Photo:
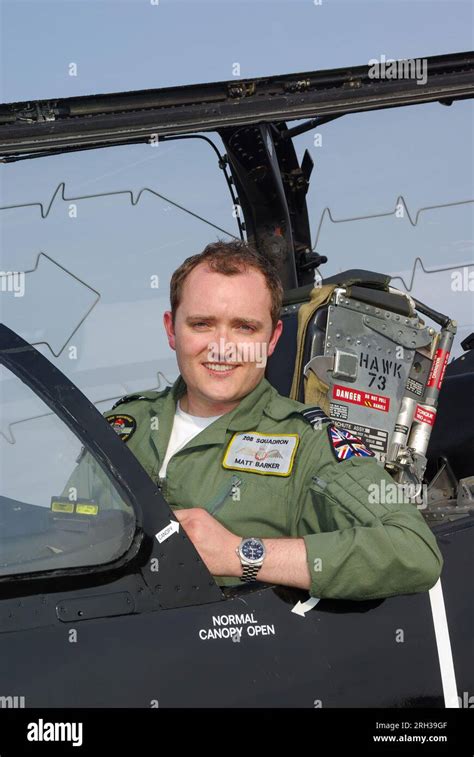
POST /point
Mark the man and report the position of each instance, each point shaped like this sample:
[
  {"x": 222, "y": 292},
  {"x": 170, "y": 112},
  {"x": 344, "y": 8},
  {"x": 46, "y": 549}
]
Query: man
[{"x": 261, "y": 490}]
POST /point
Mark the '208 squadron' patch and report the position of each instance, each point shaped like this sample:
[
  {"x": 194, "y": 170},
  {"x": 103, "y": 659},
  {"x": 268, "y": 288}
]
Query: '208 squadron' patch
[
  {"x": 123, "y": 425},
  {"x": 267, "y": 454}
]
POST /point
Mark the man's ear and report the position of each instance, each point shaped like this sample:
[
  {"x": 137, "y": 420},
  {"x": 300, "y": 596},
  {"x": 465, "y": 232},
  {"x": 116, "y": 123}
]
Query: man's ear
[
  {"x": 275, "y": 337},
  {"x": 169, "y": 328}
]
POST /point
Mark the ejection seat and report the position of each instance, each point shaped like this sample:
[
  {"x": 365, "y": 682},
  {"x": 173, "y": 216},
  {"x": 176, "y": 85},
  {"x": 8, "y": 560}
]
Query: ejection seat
[
  {"x": 367, "y": 286},
  {"x": 369, "y": 295}
]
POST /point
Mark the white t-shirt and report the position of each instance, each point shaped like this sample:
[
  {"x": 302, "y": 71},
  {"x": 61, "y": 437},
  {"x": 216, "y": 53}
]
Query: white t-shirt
[{"x": 185, "y": 428}]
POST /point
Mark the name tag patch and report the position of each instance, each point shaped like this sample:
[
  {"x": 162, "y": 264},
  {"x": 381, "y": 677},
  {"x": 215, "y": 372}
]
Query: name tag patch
[{"x": 267, "y": 454}]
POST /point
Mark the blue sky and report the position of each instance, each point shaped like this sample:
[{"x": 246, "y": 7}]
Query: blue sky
[
  {"x": 131, "y": 44},
  {"x": 424, "y": 153}
]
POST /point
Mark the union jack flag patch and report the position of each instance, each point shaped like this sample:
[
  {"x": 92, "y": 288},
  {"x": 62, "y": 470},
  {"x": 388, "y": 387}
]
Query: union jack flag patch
[{"x": 346, "y": 445}]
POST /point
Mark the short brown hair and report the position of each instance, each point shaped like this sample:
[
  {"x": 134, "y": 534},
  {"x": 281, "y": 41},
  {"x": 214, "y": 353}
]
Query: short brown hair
[{"x": 229, "y": 258}]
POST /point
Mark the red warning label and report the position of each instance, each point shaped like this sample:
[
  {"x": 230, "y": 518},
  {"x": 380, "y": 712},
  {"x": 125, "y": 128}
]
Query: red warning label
[
  {"x": 438, "y": 368},
  {"x": 357, "y": 397},
  {"x": 424, "y": 415}
]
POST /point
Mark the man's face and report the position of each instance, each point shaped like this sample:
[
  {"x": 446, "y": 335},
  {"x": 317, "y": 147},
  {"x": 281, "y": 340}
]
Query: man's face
[{"x": 222, "y": 336}]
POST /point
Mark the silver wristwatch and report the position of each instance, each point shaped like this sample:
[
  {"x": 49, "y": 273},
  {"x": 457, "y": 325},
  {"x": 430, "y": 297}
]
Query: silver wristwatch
[{"x": 251, "y": 552}]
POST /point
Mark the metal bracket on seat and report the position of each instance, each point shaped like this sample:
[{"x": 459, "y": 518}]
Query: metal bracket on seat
[
  {"x": 320, "y": 365},
  {"x": 342, "y": 365}
]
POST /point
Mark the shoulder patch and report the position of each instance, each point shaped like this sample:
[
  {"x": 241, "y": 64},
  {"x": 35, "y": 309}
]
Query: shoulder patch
[
  {"x": 123, "y": 425},
  {"x": 315, "y": 416},
  {"x": 345, "y": 445}
]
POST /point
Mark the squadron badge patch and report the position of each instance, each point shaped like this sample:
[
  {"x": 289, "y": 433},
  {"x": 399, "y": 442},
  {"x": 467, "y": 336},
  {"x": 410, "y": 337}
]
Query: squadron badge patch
[
  {"x": 123, "y": 425},
  {"x": 267, "y": 454},
  {"x": 346, "y": 445}
]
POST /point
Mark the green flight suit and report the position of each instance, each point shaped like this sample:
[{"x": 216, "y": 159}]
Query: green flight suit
[{"x": 356, "y": 549}]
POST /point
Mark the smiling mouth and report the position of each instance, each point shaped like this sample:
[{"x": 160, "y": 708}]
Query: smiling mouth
[{"x": 221, "y": 367}]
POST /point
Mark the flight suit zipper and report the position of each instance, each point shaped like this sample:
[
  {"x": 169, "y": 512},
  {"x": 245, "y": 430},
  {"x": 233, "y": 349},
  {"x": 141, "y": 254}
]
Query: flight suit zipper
[
  {"x": 161, "y": 484},
  {"x": 215, "y": 504},
  {"x": 230, "y": 489}
]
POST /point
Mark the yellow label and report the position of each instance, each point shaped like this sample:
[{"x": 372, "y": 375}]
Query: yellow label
[
  {"x": 83, "y": 509},
  {"x": 62, "y": 507}
]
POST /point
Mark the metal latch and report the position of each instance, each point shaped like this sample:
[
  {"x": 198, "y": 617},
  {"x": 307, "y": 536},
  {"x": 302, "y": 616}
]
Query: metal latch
[{"x": 343, "y": 365}]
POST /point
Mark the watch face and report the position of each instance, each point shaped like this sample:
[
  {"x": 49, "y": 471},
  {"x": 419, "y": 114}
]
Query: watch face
[{"x": 253, "y": 549}]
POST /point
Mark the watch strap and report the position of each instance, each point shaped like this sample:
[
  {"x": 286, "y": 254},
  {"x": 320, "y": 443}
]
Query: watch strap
[{"x": 249, "y": 572}]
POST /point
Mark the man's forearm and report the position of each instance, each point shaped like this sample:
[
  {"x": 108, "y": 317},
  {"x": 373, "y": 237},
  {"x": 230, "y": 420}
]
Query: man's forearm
[{"x": 285, "y": 563}]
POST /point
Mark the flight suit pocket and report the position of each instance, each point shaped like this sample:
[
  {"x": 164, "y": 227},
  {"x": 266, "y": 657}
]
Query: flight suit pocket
[{"x": 259, "y": 507}]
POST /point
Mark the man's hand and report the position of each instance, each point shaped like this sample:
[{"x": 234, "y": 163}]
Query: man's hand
[
  {"x": 285, "y": 562},
  {"x": 215, "y": 544}
]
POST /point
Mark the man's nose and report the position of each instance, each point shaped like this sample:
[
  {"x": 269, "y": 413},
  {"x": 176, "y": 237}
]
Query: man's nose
[
  {"x": 224, "y": 333},
  {"x": 225, "y": 339}
]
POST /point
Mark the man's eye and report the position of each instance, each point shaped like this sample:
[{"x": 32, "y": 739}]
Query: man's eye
[
  {"x": 248, "y": 328},
  {"x": 199, "y": 323}
]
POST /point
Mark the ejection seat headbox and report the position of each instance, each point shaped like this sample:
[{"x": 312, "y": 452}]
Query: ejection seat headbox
[{"x": 374, "y": 366}]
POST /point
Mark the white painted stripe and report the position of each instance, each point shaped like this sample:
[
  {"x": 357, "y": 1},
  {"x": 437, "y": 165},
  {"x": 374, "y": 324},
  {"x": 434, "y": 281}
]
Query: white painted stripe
[{"x": 443, "y": 642}]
